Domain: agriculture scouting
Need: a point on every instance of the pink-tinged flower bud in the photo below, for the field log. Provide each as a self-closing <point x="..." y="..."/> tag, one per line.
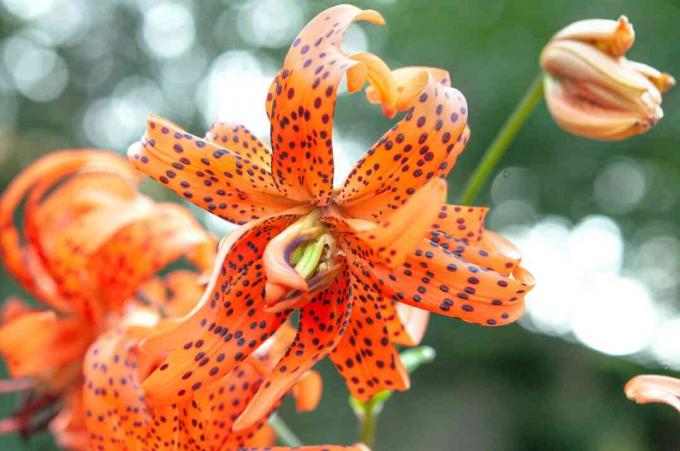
<point x="592" y="90"/>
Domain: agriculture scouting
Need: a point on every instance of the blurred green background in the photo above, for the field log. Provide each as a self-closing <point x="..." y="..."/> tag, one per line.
<point x="598" y="222"/>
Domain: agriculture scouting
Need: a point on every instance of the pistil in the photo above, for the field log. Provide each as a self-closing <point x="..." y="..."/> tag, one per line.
<point x="299" y="261"/>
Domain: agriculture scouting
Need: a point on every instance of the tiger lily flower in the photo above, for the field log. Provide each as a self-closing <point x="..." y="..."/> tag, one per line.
<point x="118" y="417"/>
<point x="592" y="90"/>
<point x="344" y="258"/>
<point x="649" y="388"/>
<point x="89" y="244"/>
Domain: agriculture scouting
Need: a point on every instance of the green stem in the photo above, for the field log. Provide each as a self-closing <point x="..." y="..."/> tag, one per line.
<point x="502" y="140"/>
<point x="369" y="420"/>
<point x="283" y="433"/>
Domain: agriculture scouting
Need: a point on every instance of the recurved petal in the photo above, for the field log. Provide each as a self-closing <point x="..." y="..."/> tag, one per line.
<point x="443" y="282"/>
<point x="650" y="388"/>
<point x="301" y="104"/>
<point x="321" y="325"/>
<point x="209" y="175"/>
<point x="365" y="357"/>
<point x="409" y="82"/>
<point x="227" y="324"/>
<point x="421" y="146"/>
<point x="614" y="37"/>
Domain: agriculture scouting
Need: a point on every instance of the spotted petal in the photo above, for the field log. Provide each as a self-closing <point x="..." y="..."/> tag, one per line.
<point x="440" y="281"/>
<point x="301" y="103"/>
<point x="321" y="325"/>
<point x="242" y="141"/>
<point x="228" y="323"/>
<point x="422" y="145"/>
<point x="365" y="357"/>
<point x="214" y="177"/>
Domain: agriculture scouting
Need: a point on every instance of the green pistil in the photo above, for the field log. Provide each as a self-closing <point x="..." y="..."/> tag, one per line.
<point x="297" y="254"/>
<point x="310" y="258"/>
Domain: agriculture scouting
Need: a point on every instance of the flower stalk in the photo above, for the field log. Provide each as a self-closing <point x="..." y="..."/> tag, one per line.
<point x="499" y="145"/>
<point x="284" y="434"/>
<point x="368" y="412"/>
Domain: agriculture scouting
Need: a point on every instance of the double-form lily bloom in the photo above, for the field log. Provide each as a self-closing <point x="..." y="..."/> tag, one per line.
<point x="344" y="258"/>
<point x="119" y="418"/>
<point x="89" y="244"/>
<point x="649" y="388"/>
<point x="592" y="90"/>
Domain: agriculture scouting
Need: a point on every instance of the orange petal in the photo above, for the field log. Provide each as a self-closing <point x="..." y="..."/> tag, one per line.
<point x="307" y="391"/>
<point x="461" y="229"/>
<point x="20" y="254"/>
<point x="501" y="255"/>
<point x="207" y="418"/>
<point x="400" y="232"/>
<point x="176" y="294"/>
<point x="133" y="254"/>
<point x="649" y="388"/>
<point x="242" y="141"/>
<point x="320" y="327"/>
<point x="409" y="326"/>
<point x="409" y="82"/>
<point x="443" y="282"/>
<point x="216" y="179"/>
<point x="461" y="222"/>
<point x="383" y="85"/>
<point x="227" y="324"/>
<point x="116" y="415"/>
<point x="301" y="104"/>
<point x="47" y="341"/>
<point x="421" y="146"/>
<point x="456" y="150"/>
<point x="365" y="357"/>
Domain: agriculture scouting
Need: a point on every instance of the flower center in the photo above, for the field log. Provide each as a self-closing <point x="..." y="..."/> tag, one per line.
<point x="298" y="262"/>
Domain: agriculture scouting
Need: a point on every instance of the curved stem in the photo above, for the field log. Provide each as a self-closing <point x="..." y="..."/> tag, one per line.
<point x="283" y="433"/>
<point x="502" y="140"/>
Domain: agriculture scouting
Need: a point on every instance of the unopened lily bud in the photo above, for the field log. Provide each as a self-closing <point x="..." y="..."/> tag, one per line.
<point x="592" y="90"/>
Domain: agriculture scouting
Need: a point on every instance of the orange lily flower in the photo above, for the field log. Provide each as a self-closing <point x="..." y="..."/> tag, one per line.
<point x="649" y="388"/>
<point x="342" y="257"/>
<point x="118" y="418"/>
<point x="89" y="244"/>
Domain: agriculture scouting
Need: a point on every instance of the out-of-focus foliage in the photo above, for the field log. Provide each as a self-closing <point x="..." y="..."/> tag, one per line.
<point x="79" y="73"/>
